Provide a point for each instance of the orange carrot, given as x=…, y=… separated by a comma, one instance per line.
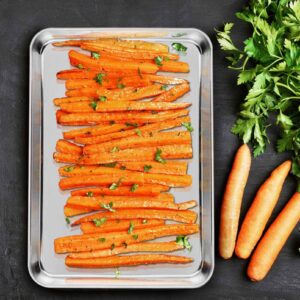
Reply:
x=134, y=117
x=154, y=127
x=64, y=146
x=94, y=241
x=71, y=211
x=103, y=225
x=140, y=247
x=274, y=239
x=157, y=139
x=184, y=216
x=163, y=79
x=173, y=93
x=59, y=101
x=232, y=200
x=66, y=157
x=261, y=210
x=174, y=66
x=131, y=260
x=143, y=190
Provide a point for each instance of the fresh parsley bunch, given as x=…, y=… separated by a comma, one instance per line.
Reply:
x=269, y=66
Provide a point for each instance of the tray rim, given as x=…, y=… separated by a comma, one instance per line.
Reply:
x=35, y=271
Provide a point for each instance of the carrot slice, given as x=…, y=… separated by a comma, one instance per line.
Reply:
x=59, y=101
x=72, y=211
x=97, y=203
x=94, y=241
x=156, y=139
x=174, y=66
x=77, y=58
x=261, y=210
x=143, y=190
x=134, y=117
x=140, y=247
x=64, y=146
x=232, y=200
x=173, y=93
x=118, y=225
x=274, y=239
x=163, y=79
x=130, y=260
x=154, y=127
x=66, y=157
x=138, y=154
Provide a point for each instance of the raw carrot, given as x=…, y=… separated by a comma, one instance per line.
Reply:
x=59, y=101
x=77, y=58
x=173, y=93
x=154, y=127
x=140, y=247
x=138, y=154
x=131, y=260
x=232, y=200
x=64, y=146
x=156, y=139
x=143, y=190
x=174, y=66
x=118, y=225
x=274, y=239
x=134, y=117
x=88, y=242
x=261, y=210
x=184, y=216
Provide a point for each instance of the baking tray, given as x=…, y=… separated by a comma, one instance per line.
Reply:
x=45, y=201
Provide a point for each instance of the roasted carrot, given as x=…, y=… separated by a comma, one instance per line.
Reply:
x=184, y=216
x=232, y=200
x=64, y=146
x=140, y=247
x=59, y=101
x=261, y=210
x=70, y=211
x=118, y=225
x=163, y=79
x=156, y=139
x=130, y=260
x=143, y=190
x=173, y=93
x=77, y=58
x=59, y=114
x=174, y=66
x=274, y=239
x=94, y=241
x=154, y=127
x=134, y=117
x=66, y=157
x=68, y=43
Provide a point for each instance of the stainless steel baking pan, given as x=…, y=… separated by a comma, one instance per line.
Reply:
x=45, y=201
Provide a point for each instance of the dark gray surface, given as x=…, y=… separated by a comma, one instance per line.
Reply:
x=19, y=21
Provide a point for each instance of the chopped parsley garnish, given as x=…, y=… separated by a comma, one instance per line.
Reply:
x=120, y=85
x=164, y=87
x=115, y=185
x=68, y=220
x=184, y=241
x=80, y=66
x=69, y=168
x=115, y=149
x=132, y=124
x=188, y=126
x=95, y=55
x=108, y=206
x=99, y=78
x=93, y=105
x=134, y=187
x=102, y=240
x=123, y=167
x=147, y=168
x=90, y=194
x=179, y=47
x=158, y=60
x=135, y=236
x=138, y=132
x=102, y=98
x=99, y=221
x=112, y=122
x=158, y=156
x=112, y=247
x=110, y=165
x=131, y=227
x=117, y=273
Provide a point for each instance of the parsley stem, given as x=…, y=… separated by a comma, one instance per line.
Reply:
x=287, y=87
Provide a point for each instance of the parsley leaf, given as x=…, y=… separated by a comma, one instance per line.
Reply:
x=135, y=236
x=80, y=66
x=179, y=47
x=164, y=87
x=99, y=221
x=116, y=185
x=138, y=132
x=69, y=168
x=99, y=78
x=115, y=149
x=95, y=55
x=134, y=187
x=158, y=60
x=90, y=194
x=108, y=206
x=93, y=105
x=68, y=220
x=110, y=165
x=131, y=227
x=121, y=85
x=188, y=126
x=184, y=241
x=102, y=240
x=147, y=168
x=158, y=156
x=102, y=98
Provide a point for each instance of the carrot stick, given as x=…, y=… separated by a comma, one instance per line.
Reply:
x=184, y=216
x=68, y=43
x=140, y=247
x=66, y=157
x=173, y=93
x=131, y=260
x=134, y=117
x=154, y=127
x=143, y=190
x=157, y=139
x=174, y=66
x=274, y=239
x=59, y=101
x=118, y=225
x=59, y=114
x=95, y=131
x=261, y=210
x=77, y=58
x=72, y=211
x=232, y=200
x=64, y=146
x=88, y=242
x=96, y=203
x=138, y=154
